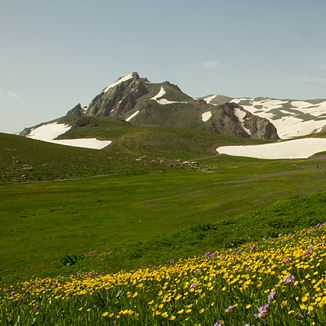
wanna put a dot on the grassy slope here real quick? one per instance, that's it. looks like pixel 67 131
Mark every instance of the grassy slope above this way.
pixel 44 221
pixel 77 216
pixel 51 161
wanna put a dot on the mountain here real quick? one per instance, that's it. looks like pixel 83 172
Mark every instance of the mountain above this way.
pixel 292 118
pixel 142 103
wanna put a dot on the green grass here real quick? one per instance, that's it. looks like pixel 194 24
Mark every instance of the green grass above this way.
pixel 51 161
pixel 44 221
pixel 143 210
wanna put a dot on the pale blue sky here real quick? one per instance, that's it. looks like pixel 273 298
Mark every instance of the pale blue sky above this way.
pixel 55 54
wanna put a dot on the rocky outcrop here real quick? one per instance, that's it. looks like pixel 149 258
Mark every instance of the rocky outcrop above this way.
pixel 225 122
pixel 119 98
pixel 77 111
pixel 260 128
pixel 25 132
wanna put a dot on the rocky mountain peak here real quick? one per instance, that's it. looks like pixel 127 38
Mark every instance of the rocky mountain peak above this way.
pixel 147 104
pixel 118 98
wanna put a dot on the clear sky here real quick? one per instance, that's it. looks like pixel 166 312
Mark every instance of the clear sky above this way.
pixel 55 54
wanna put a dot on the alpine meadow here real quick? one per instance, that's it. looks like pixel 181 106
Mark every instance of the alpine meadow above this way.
pixel 127 212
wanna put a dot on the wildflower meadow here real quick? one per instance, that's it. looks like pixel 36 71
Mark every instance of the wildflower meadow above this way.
pixel 274 281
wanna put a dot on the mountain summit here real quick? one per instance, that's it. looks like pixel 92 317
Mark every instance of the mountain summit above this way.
pixel 142 103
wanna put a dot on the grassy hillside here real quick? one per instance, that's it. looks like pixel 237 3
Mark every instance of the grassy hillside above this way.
pixel 27 159
pixel 117 211
pixel 149 208
pixel 261 280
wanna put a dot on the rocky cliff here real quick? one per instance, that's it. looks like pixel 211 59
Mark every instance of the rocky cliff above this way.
pixel 142 103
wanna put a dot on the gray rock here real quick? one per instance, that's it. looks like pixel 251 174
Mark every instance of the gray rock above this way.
pixel 77 111
pixel 119 99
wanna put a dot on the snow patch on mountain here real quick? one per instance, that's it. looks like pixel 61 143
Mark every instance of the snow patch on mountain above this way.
pixel 133 115
pixel 209 98
pixel 206 116
pixel 161 93
pixel 291 118
pixel 163 101
pixel 241 115
pixel 292 149
pixel 121 80
pixel 51 131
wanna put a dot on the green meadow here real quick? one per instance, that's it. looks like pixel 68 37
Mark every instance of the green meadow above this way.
pixel 138 203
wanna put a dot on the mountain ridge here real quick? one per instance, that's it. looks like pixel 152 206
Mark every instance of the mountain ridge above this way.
pixel 142 103
pixel 292 118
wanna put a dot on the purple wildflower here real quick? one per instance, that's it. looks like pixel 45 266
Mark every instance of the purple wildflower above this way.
pixel 271 296
pixel 35 307
pixel 218 323
pixel 289 280
pixel 287 260
pixel 262 312
pixel 229 309
pixel 193 285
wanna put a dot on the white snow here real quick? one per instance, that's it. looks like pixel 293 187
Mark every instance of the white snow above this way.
pixel 159 94
pixel 292 149
pixel 163 101
pixel 206 116
pixel 240 114
pixel 209 98
pixel 83 142
pixel 291 124
pixel 289 127
pixel 51 131
pixel 133 115
pixel 122 79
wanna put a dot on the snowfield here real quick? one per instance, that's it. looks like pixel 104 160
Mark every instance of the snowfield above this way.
pixel 206 116
pixel 291 149
pixel 122 79
pixel 51 131
pixel 291 118
pixel 163 101
pixel 209 98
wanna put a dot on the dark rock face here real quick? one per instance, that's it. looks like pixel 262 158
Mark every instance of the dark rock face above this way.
pixel 118 99
pixel 260 128
pixel 25 132
pixel 224 121
pixel 77 111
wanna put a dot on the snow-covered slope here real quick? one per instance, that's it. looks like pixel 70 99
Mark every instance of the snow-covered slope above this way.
pixel 297 148
pixel 292 118
pixel 120 80
pixel 51 131
pixel 158 98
